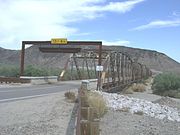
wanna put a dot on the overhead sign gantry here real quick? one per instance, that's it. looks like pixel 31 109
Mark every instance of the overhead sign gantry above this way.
pixel 61 42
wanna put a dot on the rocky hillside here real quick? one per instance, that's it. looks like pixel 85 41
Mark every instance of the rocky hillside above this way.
pixel 152 59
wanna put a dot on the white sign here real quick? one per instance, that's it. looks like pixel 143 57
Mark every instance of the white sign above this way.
pixel 99 68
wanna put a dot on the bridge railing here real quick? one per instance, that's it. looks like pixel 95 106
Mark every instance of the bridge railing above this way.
pixel 119 69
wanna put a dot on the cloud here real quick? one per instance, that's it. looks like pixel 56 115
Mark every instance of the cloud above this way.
pixel 159 24
pixel 44 19
pixel 116 42
pixel 176 13
pixel 120 7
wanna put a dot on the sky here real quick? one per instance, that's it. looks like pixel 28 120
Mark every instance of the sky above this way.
pixel 146 24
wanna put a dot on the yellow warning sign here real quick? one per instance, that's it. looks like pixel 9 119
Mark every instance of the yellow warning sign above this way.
pixel 59 41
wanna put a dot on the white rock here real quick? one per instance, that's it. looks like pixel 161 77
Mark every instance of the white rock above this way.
pixel 118 102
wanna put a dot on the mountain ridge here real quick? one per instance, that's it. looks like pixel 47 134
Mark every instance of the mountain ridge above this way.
pixel 153 59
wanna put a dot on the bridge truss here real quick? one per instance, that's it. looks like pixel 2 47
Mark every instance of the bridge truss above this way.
pixel 118 72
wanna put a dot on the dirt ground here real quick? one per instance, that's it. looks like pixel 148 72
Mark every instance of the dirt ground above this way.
pixel 125 123
pixel 48 115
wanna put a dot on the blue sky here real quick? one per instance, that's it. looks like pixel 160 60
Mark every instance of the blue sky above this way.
pixel 146 24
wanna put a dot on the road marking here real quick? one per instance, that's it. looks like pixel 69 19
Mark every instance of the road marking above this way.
pixel 26 97
pixel 30 89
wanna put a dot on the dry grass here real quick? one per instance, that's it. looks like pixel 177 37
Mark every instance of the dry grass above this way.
pixel 148 81
pixel 127 91
pixel 97 101
pixel 138 87
pixel 70 96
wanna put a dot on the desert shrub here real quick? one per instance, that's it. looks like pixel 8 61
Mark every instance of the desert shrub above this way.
pixel 70 96
pixel 127 91
pixel 96 101
pixel 166 84
pixel 172 93
pixel 138 87
pixel 147 81
pixel 34 70
pixel 9 71
pixel 135 87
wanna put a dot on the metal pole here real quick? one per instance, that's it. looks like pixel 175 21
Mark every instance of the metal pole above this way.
pixel 99 64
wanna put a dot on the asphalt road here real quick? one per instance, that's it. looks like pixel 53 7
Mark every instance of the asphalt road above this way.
pixel 13 93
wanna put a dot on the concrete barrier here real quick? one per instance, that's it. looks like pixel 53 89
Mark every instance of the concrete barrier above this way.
pixel 89 84
pixel 42 79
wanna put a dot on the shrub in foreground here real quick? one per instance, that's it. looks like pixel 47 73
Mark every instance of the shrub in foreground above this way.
pixel 70 96
pixel 167 84
pixel 97 101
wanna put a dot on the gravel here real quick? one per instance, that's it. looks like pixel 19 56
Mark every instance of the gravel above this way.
pixel 135 105
pixel 48 115
pixel 125 123
pixel 133 116
pixel 168 101
pixel 138 114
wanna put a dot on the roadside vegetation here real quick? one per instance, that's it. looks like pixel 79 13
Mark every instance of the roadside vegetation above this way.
pixel 30 70
pixel 13 71
pixel 9 71
pixel 167 84
pixel 135 87
pixel 71 96
pixel 96 101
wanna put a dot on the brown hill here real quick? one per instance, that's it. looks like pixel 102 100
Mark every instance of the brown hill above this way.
pixel 152 59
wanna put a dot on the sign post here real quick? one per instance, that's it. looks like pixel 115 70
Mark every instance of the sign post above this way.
pixel 99 69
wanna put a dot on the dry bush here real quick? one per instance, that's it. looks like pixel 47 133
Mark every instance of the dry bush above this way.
pixel 148 81
pixel 138 87
pixel 127 91
pixel 97 102
pixel 70 96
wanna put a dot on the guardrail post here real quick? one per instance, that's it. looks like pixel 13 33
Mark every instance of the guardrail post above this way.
pixel 86 124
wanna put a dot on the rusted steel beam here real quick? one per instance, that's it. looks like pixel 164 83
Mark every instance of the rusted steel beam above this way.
pixel 22 59
pixel 78 43
pixel 68 42
pixel 61 76
pixel 87 68
pixel 82 57
pixel 112 67
pixel 122 68
pixel 99 64
pixel 59 50
pixel 118 67
pixel 77 67
pixel 13 80
pixel 96 51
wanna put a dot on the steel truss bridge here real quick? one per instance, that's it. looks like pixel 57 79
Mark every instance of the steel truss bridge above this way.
pixel 119 70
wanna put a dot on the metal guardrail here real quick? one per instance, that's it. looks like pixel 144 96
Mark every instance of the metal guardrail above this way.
pixel 13 80
pixel 86 123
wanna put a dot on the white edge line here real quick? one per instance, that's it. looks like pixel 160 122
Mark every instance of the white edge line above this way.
pixel 26 97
